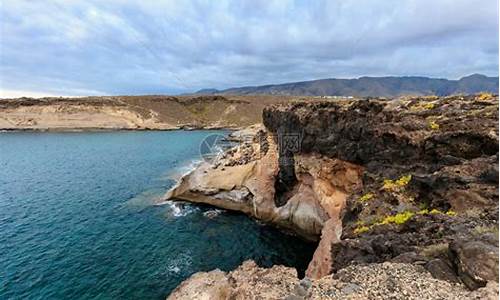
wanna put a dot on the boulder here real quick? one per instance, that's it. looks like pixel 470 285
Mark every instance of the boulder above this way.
pixel 476 259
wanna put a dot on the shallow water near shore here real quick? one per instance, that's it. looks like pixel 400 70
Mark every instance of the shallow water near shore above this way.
pixel 78 218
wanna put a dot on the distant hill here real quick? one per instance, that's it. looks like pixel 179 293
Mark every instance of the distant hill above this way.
pixel 371 86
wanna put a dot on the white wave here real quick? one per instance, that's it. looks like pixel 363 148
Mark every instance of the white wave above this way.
pixel 174 269
pixel 183 261
pixel 178 209
pixel 212 213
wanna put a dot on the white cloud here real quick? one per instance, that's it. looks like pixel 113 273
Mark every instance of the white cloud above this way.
pixel 18 94
pixel 121 47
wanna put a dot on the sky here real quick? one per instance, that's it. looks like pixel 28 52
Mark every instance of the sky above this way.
pixel 117 47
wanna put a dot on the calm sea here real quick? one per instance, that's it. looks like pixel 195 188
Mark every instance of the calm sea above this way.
pixel 78 220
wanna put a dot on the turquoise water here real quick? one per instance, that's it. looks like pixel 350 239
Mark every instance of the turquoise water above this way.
pixel 77 219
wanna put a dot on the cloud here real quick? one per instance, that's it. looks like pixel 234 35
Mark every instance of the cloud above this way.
pixel 129 47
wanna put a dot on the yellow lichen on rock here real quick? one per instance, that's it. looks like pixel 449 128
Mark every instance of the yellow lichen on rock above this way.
pixel 366 197
pixel 433 125
pixel 404 180
pixel 399 218
pixel 435 211
pixel 391 185
pixel 361 229
pixel 428 105
pixel 484 96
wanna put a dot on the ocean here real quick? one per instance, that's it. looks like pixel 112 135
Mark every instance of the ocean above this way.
pixel 79 218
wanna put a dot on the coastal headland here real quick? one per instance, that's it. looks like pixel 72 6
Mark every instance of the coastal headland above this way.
pixel 401 187
pixel 402 191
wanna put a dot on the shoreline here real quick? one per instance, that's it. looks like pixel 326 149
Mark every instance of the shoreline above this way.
pixel 133 112
pixel 97 129
pixel 104 185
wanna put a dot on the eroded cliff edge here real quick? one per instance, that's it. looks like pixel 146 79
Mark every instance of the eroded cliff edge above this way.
pixel 148 112
pixel 411 180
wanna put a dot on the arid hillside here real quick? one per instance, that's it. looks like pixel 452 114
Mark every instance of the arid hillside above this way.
pixel 134 112
pixel 390 86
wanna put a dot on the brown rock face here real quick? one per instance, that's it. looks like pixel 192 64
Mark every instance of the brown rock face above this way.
pixel 244 180
pixel 212 285
pixel 246 282
pixel 447 154
pixel 375 180
pixel 330 181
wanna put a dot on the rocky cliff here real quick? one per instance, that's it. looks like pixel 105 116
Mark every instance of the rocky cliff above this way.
pixel 411 180
pixel 132 112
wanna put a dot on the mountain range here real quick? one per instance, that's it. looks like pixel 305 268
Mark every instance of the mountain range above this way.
pixel 390 86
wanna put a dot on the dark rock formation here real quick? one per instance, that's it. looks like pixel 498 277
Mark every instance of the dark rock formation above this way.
pixel 431 176
pixel 411 180
pixel 476 259
pixel 395 135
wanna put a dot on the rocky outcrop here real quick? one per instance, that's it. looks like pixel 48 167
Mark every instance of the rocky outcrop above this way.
pixel 430 170
pixel 403 181
pixel 244 180
pixel 392 136
pixel 246 282
pixel 376 281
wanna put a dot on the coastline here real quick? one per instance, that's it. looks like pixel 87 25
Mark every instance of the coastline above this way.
pixel 365 210
pixel 104 129
pixel 153 112
pixel 85 202
pixel 338 187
